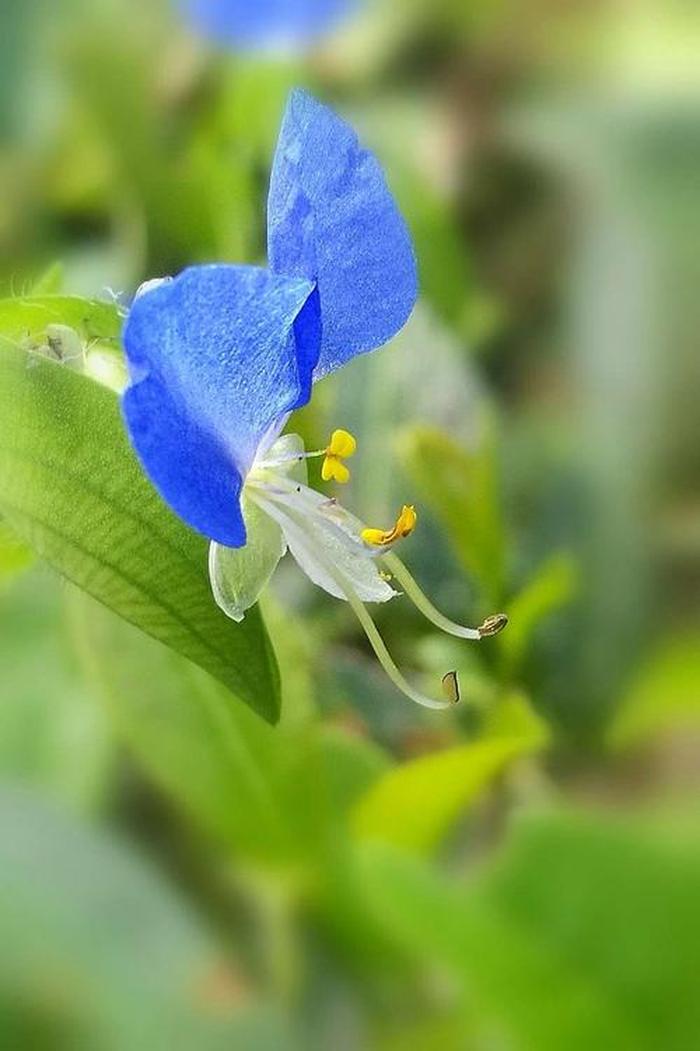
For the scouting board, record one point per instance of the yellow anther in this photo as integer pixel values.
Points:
(406, 522)
(341, 446)
(333, 470)
(403, 527)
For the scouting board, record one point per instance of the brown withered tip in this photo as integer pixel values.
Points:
(492, 625)
(450, 687)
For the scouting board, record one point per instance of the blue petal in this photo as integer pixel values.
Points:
(217, 357)
(332, 218)
(264, 23)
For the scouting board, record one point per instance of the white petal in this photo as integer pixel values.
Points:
(285, 458)
(287, 446)
(321, 541)
(239, 574)
(289, 449)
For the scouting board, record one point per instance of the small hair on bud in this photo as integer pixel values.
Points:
(492, 625)
(450, 687)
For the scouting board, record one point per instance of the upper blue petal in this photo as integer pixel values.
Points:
(332, 218)
(216, 358)
(264, 23)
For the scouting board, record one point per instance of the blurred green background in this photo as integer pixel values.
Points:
(520, 874)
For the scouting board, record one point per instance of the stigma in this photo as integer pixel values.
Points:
(403, 526)
(341, 446)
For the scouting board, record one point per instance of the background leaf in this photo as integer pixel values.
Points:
(663, 696)
(50, 282)
(112, 957)
(526, 936)
(414, 804)
(52, 734)
(229, 771)
(551, 587)
(462, 488)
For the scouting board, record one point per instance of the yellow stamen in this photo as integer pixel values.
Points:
(341, 446)
(403, 527)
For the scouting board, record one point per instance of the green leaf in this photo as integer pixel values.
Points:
(513, 716)
(17, 58)
(511, 985)
(553, 586)
(47, 715)
(413, 805)
(28, 317)
(462, 489)
(583, 933)
(352, 764)
(618, 907)
(664, 695)
(274, 795)
(14, 555)
(99, 951)
(72, 488)
(50, 282)
(295, 649)
(225, 767)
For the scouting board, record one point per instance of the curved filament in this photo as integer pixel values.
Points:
(304, 538)
(491, 626)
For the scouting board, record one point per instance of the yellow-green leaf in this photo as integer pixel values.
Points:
(665, 695)
(553, 585)
(415, 803)
(14, 555)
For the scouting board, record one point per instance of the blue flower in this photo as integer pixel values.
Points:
(254, 24)
(220, 356)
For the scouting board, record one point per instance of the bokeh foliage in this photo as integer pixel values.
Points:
(347, 870)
